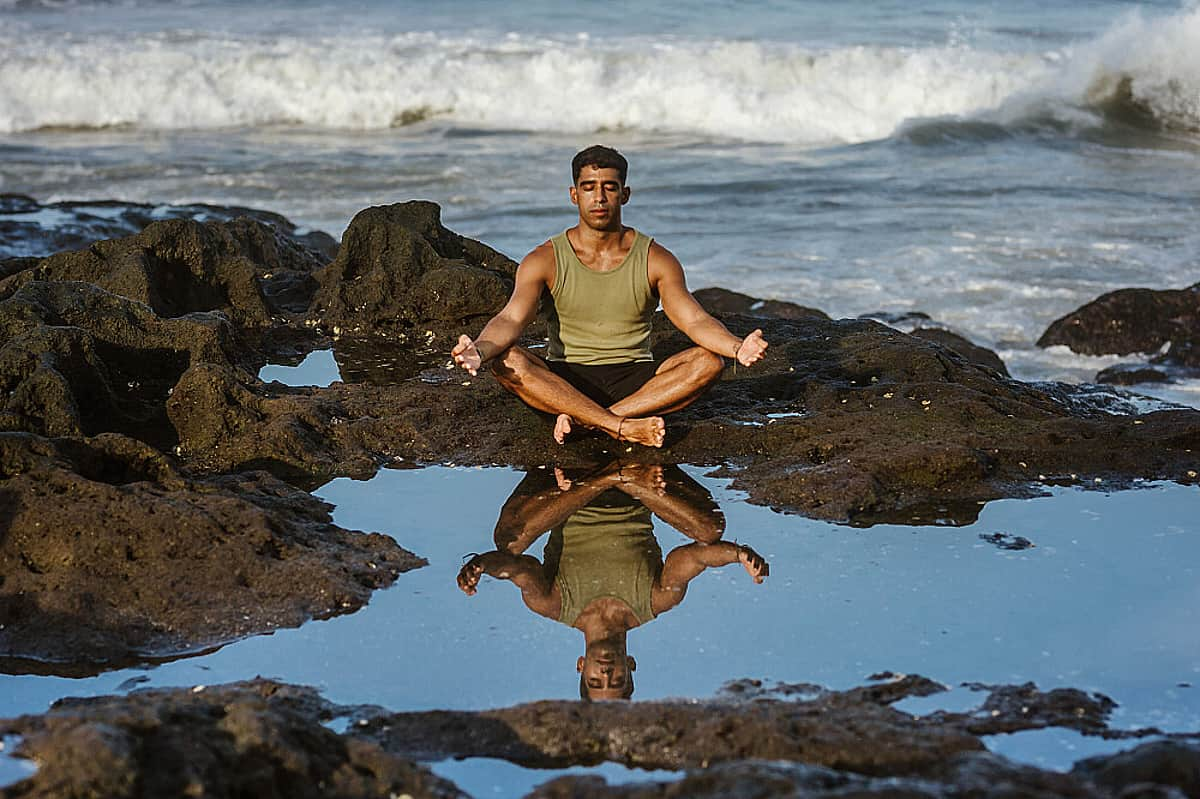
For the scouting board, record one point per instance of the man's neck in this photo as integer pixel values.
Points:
(604, 618)
(594, 240)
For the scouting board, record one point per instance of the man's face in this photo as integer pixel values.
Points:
(607, 672)
(599, 195)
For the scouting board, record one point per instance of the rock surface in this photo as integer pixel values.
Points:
(110, 554)
(264, 738)
(400, 271)
(32, 230)
(1131, 321)
(245, 269)
(259, 739)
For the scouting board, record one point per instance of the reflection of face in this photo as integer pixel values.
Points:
(606, 671)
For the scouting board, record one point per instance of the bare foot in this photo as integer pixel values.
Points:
(562, 427)
(756, 566)
(647, 475)
(649, 432)
(560, 477)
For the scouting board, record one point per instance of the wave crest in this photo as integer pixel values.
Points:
(1148, 72)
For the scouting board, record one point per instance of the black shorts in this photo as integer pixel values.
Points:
(605, 383)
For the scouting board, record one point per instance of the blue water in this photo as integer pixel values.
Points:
(1105, 601)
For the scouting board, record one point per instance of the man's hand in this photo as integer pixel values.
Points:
(751, 350)
(469, 574)
(466, 355)
(755, 564)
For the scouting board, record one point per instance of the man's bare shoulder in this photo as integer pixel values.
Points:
(661, 263)
(538, 264)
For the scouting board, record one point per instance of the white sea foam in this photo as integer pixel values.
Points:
(737, 89)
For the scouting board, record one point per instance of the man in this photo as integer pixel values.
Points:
(603, 572)
(606, 281)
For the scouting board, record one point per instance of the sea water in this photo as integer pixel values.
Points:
(994, 165)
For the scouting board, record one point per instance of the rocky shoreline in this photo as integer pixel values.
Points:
(140, 456)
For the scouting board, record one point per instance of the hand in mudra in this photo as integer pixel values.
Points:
(466, 355)
(752, 349)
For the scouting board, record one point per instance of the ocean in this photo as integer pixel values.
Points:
(993, 165)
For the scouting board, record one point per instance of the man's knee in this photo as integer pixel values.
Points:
(708, 365)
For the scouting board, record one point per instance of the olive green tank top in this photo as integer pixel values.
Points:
(605, 552)
(600, 317)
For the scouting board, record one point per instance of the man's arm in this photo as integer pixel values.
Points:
(699, 520)
(525, 517)
(523, 571)
(666, 277)
(534, 273)
(686, 562)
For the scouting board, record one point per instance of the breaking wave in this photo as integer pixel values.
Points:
(1142, 72)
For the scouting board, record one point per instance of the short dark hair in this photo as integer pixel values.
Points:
(600, 157)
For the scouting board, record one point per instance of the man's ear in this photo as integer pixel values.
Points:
(632, 663)
(625, 192)
(575, 196)
(579, 665)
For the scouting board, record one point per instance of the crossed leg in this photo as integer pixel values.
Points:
(677, 382)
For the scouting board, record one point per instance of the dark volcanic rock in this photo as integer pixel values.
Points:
(1134, 320)
(845, 420)
(851, 730)
(1132, 375)
(400, 272)
(110, 554)
(30, 229)
(254, 739)
(1173, 763)
(718, 301)
(247, 270)
(77, 360)
(978, 775)
(263, 738)
(981, 356)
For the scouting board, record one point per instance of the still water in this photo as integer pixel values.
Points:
(1105, 600)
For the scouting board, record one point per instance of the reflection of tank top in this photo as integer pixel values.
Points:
(606, 552)
(600, 317)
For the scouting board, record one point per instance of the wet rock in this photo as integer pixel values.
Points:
(1011, 708)
(1014, 543)
(980, 356)
(1162, 763)
(851, 730)
(1132, 375)
(1131, 321)
(257, 738)
(970, 775)
(856, 422)
(717, 300)
(845, 420)
(111, 554)
(400, 272)
(78, 360)
(30, 229)
(245, 269)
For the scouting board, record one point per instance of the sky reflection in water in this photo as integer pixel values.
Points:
(1106, 600)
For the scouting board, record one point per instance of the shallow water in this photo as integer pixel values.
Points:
(1105, 600)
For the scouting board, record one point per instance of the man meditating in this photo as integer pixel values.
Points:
(606, 280)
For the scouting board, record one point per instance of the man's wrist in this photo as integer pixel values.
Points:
(482, 357)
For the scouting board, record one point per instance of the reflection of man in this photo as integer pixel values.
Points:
(605, 281)
(604, 573)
